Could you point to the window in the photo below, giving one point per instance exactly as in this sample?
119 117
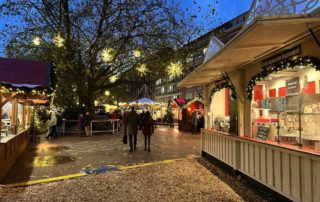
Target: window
162 89
158 82
286 108
171 78
170 89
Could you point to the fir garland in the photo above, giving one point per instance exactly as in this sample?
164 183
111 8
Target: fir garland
220 87
280 66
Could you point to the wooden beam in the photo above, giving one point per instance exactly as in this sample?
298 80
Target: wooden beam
13 95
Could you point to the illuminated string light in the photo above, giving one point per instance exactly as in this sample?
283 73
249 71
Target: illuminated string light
137 53
175 69
36 41
107 54
107 93
58 41
142 69
113 79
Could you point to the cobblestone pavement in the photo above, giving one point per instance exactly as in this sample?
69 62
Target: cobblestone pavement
70 154
183 180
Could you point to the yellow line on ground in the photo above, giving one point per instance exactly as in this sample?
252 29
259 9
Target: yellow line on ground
149 164
59 178
53 179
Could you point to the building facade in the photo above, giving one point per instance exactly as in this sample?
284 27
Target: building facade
166 88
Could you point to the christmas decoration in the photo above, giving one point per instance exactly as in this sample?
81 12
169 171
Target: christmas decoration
142 69
175 69
219 87
107 54
36 41
113 79
58 40
137 53
280 66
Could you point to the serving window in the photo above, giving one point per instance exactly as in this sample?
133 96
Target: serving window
223 114
286 108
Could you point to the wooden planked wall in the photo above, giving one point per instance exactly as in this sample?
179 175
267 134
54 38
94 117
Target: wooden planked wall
293 174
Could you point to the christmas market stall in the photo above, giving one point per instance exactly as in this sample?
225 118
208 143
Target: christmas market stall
194 107
23 85
262 100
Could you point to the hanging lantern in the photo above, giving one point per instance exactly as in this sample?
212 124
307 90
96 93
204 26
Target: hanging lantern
175 69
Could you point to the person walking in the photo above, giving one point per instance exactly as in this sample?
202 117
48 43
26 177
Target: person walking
155 118
52 124
132 124
170 119
80 123
87 124
147 129
194 122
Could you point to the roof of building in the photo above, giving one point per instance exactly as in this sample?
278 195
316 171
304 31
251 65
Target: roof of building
25 73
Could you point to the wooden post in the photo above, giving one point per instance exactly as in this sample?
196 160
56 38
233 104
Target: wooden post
24 116
14 115
0 112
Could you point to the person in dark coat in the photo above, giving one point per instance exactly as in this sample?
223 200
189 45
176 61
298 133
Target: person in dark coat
147 129
87 124
132 125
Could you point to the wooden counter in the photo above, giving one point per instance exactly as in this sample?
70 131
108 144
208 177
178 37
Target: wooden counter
11 149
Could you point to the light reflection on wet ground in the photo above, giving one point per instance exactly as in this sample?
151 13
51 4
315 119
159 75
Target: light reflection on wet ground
68 155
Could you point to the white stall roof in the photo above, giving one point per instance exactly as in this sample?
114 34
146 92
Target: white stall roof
262 37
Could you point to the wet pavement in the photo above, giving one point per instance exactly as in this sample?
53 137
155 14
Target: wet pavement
71 154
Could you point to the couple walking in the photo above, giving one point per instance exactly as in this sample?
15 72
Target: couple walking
135 123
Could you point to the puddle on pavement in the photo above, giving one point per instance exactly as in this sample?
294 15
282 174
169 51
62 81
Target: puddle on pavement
45 161
48 148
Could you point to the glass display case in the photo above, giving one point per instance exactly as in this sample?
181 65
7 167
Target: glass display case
292 120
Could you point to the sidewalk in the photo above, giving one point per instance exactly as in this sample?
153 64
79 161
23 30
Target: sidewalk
70 154
185 180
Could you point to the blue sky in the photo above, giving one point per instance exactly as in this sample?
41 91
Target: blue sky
225 10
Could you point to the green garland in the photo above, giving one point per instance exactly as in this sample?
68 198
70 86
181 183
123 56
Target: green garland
7 88
280 66
220 87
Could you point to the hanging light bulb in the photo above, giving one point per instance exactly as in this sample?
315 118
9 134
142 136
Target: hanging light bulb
174 69
113 79
142 69
36 41
107 54
58 40
137 53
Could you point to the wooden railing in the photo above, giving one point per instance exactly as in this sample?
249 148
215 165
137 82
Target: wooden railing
294 174
12 149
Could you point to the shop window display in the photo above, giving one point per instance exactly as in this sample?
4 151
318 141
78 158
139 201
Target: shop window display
286 108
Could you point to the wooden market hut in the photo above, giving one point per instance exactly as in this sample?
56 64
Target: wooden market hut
23 85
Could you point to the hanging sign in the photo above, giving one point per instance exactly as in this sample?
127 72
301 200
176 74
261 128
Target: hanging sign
263 133
282 56
293 86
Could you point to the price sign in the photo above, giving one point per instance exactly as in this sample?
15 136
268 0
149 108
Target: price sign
263 132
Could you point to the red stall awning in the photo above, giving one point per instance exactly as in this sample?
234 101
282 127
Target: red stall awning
25 73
